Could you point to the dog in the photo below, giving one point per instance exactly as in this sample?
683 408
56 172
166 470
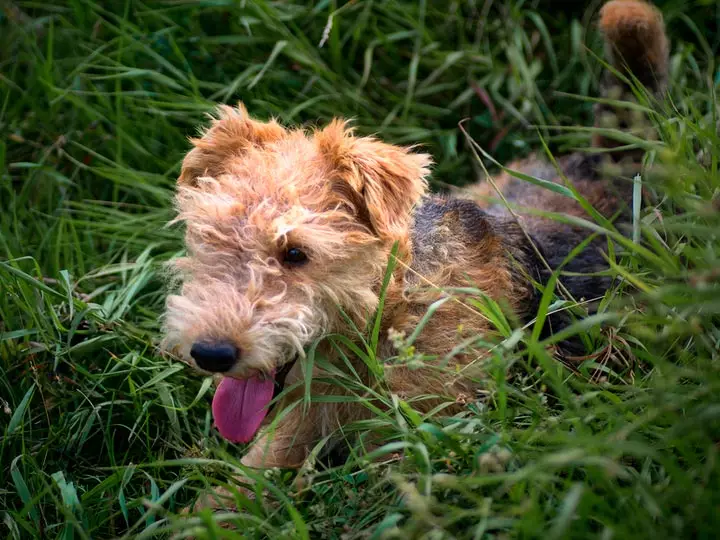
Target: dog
289 234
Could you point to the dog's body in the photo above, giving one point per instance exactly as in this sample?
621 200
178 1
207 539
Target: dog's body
289 236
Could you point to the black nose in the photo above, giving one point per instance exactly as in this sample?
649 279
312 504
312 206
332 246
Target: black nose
215 356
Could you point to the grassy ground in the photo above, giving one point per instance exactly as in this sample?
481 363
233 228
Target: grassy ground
101 437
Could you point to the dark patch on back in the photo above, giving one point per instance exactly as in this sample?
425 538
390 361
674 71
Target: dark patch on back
439 221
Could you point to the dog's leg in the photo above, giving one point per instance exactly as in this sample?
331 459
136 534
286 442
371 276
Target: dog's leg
286 446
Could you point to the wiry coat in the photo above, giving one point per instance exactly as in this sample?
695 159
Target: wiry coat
249 191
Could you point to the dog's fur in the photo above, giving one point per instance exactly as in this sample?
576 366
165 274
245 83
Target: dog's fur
250 190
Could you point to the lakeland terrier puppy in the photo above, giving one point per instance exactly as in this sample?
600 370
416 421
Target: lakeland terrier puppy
289 234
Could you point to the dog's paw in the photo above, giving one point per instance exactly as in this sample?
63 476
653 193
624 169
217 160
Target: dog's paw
220 498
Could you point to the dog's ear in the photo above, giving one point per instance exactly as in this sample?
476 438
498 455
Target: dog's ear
232 131
386 181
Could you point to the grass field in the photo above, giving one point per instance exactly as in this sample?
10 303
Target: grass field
102 437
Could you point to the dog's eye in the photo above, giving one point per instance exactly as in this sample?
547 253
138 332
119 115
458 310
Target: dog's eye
295 257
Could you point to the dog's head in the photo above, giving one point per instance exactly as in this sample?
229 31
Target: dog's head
283 230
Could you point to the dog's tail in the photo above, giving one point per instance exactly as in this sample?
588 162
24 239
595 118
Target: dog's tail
636 47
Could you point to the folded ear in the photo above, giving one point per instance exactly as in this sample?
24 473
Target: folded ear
231 133
386 180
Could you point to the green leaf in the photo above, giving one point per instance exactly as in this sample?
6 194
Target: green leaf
17 417
23 491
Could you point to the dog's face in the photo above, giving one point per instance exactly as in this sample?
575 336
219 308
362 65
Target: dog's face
283 229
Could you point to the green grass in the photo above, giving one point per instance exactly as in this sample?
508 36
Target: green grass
102 437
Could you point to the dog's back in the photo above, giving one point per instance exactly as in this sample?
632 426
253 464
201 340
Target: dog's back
636 47
447 231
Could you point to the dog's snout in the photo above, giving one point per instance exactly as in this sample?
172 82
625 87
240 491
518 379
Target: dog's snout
214 356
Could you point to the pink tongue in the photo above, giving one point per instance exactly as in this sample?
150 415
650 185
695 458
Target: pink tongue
239 406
